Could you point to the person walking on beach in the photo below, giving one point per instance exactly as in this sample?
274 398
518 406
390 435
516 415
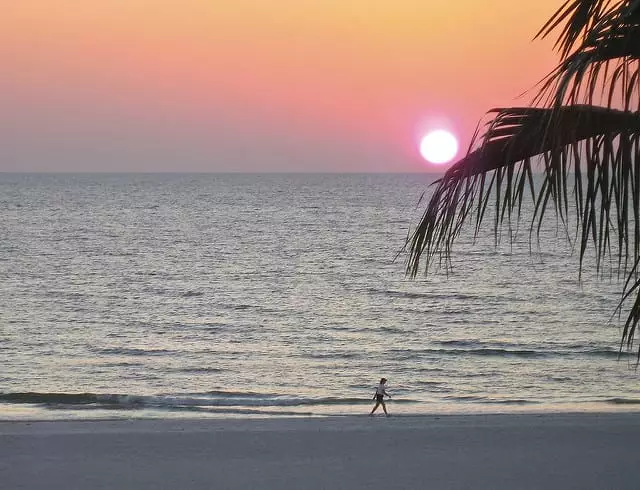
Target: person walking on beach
379 397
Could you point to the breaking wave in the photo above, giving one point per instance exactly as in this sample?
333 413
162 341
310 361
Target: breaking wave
213 401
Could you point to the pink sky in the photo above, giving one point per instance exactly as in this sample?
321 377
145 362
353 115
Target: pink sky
255 85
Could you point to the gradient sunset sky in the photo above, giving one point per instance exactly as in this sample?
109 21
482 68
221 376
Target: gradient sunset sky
256 85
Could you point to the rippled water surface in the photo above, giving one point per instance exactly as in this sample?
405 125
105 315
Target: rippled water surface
239 294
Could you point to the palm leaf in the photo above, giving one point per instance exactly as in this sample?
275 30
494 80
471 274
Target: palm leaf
579 18
580 74
593 147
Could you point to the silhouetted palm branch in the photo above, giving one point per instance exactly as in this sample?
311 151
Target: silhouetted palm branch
602 140
589 154
579 18
591 149
606 59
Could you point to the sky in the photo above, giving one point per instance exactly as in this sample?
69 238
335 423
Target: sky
256 85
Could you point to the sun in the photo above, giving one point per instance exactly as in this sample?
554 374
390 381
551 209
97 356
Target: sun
439 146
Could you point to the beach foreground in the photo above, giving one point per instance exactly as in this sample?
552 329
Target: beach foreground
515 451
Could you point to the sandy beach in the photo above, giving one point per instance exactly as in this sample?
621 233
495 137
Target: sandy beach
518 451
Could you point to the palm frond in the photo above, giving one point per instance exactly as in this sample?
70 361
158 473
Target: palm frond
579 18
587 151
607 60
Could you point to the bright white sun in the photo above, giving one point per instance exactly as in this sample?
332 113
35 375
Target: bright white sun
439 146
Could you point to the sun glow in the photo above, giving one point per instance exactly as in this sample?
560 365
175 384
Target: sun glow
439 146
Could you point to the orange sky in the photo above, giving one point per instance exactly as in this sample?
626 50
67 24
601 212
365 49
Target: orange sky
255 85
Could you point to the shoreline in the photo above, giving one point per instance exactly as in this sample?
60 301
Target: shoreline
492 451
36 413
344 420
225 422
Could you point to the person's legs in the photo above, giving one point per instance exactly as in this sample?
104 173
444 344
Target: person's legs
384 407
375 407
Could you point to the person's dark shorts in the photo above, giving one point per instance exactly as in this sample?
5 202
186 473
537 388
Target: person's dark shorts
379 398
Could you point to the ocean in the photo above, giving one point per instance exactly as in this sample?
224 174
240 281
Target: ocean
170 295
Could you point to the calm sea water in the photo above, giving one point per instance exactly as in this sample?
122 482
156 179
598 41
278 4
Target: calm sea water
232 295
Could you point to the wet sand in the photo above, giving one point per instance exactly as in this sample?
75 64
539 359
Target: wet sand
515 451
